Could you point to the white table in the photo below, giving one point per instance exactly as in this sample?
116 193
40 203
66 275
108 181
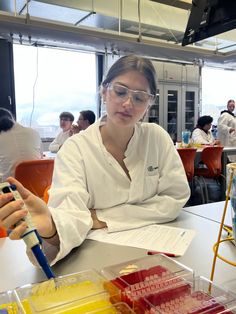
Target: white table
227 151
16 270
49 155
211 211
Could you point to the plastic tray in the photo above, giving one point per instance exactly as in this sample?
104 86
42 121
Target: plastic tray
199 296
9 303
76 293
140 277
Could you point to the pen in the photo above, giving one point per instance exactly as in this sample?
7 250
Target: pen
164 253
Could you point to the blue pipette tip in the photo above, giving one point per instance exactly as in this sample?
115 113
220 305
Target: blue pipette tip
41 259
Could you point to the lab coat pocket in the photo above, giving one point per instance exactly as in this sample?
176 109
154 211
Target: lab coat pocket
150 186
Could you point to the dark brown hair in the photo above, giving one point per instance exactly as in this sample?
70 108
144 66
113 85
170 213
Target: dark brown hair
67 115
229 101
133 63
88 115
6 120
203 120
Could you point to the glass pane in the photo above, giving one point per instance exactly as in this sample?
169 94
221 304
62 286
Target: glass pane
154 110
189 110
172 114
49 81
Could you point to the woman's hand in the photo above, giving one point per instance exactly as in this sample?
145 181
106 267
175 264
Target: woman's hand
11 213
97 224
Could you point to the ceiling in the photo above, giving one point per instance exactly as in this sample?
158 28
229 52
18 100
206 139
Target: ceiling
153 28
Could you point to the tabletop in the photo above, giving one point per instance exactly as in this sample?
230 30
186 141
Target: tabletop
16 270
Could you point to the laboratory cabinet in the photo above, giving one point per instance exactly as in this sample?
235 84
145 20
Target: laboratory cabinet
176 107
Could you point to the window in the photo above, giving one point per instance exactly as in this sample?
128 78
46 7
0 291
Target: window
49 81
218 86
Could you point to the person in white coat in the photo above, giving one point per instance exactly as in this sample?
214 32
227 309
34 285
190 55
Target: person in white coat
118 174
17 143
226 127
86 118
66 120
202 132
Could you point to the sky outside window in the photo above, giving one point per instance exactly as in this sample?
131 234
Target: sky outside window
218 86
49 81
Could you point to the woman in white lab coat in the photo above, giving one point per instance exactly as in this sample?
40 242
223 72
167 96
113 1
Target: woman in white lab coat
118 174
202 132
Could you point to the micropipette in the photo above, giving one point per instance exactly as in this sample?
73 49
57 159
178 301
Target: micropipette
30 236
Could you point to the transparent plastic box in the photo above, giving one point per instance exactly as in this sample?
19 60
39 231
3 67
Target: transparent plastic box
145 263
198 296
118 308
9 303
141 277
76 293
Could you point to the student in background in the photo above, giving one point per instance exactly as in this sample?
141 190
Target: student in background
202 132
226 127
118 174
17 143
86 118
66 120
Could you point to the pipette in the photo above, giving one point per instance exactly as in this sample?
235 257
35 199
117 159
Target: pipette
30 236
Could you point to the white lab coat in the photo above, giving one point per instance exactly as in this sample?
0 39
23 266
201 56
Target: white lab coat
201 137
18 144
59 141
225 122
87 176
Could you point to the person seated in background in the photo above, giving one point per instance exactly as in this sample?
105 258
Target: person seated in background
66 120
202 134
86 118
118 174
17 143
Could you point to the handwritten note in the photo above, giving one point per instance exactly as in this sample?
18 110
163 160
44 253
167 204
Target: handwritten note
154 237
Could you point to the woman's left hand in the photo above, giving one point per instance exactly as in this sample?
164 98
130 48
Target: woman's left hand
97 224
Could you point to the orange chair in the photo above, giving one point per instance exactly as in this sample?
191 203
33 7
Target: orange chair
35 175
3 232
45 194
211 158
187 156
